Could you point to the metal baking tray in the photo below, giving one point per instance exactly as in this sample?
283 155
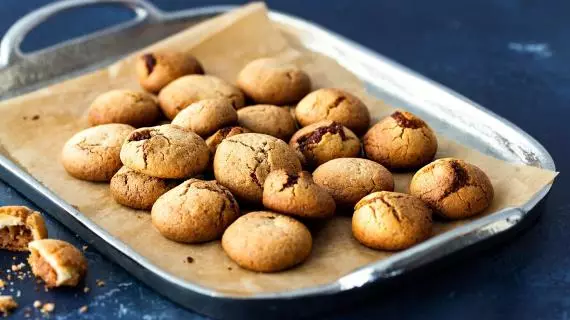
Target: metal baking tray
448 112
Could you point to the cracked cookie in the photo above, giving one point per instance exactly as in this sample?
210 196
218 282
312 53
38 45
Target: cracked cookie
93 154
325 140
56 262
186 90
157 69
137 190
195 211
297 195
391 221
214 140
242 163
273 82
206 116
336 105
19 226
264 241
138 109
454 188
166 151
348 180
400 141
267 119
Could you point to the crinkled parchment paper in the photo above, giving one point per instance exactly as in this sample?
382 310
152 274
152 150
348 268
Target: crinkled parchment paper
224 45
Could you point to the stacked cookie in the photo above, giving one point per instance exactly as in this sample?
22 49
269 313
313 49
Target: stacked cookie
262 156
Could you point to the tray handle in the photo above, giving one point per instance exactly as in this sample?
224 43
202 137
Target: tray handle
10 46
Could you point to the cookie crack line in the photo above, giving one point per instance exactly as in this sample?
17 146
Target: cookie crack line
316 136
337 101
382 199
460 179
291 181
406 122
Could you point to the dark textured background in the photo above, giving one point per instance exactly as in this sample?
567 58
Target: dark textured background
511 56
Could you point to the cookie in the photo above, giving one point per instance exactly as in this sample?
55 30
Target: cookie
264 241
157 69
206 116
336 105
455 189
296 195
166 151
7 304
195 211
214 140
56 262
93 154
137 190
272 82
186 90
400 141
348 180
267 119
19 226
391 221
325 140
138 109
242 163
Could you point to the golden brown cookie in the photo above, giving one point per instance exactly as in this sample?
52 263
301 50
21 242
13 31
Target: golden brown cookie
186 90
19 226
391 221
350 179
93 154
214 140
273 82
138 109
264 241
336 105
57 262
7 304
325 140
267 119
297 195
242 163
166 151
400 141
195 211
206 116
157 69
455 189
137 190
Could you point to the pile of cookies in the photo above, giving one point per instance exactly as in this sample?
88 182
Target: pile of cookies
260 141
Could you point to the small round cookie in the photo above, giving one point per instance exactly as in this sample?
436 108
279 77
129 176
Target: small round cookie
391 221
455 189
296 195
138 109
157 69
214 140
325 140
242 163
400 141
186 90
264 241
267 119
348 180
336 105
166 151
195 211
206 116
93 154
272 82
137 190
56 262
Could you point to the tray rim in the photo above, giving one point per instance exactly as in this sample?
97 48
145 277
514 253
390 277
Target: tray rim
345 282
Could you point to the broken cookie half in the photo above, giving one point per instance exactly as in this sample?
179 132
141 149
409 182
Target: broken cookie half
57 262
19 226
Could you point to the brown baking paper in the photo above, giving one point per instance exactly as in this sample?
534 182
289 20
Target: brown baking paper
34 127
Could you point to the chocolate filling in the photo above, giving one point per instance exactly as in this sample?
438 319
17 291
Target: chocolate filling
291 180
150 62
403 121
460 178
316 136
140 135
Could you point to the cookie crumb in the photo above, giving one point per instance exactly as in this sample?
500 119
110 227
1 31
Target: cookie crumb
86 289
35 117
48 307
85 248
189 259
7 303
9 277
37 304
100 283
2 284
27 312
14 258
18 267
83 309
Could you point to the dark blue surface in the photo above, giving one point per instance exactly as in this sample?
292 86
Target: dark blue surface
512 57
